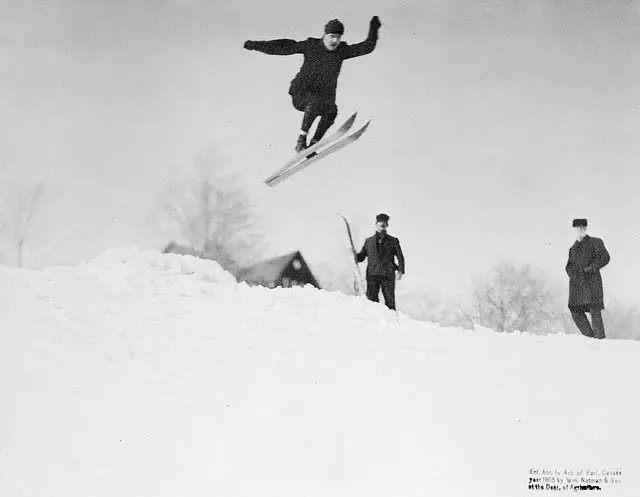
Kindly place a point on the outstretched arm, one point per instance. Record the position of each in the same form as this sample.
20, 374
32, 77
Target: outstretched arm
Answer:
367, 46
276, 47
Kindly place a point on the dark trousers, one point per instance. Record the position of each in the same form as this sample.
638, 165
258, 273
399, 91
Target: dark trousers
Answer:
388, 286
595, 330
314, 105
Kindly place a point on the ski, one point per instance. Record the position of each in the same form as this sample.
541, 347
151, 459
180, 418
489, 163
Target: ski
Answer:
309, 150
359, 284
334, 147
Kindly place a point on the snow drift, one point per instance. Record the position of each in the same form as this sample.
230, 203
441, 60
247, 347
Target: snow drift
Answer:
157, 375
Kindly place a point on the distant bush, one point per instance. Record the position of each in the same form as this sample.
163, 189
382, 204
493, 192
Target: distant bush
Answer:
212, 217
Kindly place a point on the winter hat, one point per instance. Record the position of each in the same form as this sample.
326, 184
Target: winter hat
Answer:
334, 27
382, 218
579, 222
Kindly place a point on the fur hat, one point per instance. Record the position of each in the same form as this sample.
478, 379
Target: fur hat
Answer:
382, 218
579, 222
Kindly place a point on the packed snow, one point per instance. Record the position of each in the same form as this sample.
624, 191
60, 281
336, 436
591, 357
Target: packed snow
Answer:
157, 375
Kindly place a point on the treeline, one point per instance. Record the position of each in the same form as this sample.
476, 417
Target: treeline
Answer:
210, 215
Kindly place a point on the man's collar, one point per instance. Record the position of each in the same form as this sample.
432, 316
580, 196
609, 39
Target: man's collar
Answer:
580, 241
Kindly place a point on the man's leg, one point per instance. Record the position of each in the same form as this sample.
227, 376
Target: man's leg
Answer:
598, 323
328, 115
580, 318
311, 105
389, 292
373, 288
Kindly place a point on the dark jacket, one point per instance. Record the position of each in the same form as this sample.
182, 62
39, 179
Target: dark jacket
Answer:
321, 67
586, 258
381, 251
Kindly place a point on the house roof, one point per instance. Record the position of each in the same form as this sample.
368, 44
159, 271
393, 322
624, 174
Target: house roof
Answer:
270, 269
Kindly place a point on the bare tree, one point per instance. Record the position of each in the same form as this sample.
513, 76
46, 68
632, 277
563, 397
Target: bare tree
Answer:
21, 207
211, 214
511, 298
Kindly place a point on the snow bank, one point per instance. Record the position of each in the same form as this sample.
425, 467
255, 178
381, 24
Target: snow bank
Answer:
146, 374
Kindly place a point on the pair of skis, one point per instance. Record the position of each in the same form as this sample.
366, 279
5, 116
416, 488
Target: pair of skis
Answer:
339, 139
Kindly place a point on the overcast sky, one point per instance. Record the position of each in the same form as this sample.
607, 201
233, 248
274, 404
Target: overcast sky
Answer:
494, 124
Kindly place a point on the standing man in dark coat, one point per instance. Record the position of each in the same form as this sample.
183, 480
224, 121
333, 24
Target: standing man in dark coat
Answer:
586, 257
382, 249
313, 90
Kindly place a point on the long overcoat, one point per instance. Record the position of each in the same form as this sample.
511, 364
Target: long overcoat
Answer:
586, 258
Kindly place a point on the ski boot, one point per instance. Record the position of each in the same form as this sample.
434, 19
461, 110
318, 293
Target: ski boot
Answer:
301, 144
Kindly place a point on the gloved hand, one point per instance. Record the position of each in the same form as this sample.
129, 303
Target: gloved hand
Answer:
249, 45
375, 23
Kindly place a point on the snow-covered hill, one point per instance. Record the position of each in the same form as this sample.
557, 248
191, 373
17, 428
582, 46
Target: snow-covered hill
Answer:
149, 375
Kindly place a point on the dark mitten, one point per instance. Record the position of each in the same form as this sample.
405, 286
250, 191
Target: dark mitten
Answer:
375, 23
249, 45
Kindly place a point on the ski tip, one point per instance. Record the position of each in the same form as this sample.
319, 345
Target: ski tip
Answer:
358, 133
348, 123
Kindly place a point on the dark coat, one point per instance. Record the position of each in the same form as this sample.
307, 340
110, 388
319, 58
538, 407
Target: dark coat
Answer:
381, 251
586, 258
321, 67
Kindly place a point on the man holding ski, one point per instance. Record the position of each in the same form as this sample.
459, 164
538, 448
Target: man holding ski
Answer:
382, 249
313, 90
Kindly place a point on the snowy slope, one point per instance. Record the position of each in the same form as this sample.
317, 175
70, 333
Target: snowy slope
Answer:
149, 375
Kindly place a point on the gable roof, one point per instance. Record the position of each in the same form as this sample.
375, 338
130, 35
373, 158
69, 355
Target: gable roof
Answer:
269, 270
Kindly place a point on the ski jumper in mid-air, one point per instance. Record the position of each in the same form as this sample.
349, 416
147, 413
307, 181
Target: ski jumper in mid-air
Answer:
313, 90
